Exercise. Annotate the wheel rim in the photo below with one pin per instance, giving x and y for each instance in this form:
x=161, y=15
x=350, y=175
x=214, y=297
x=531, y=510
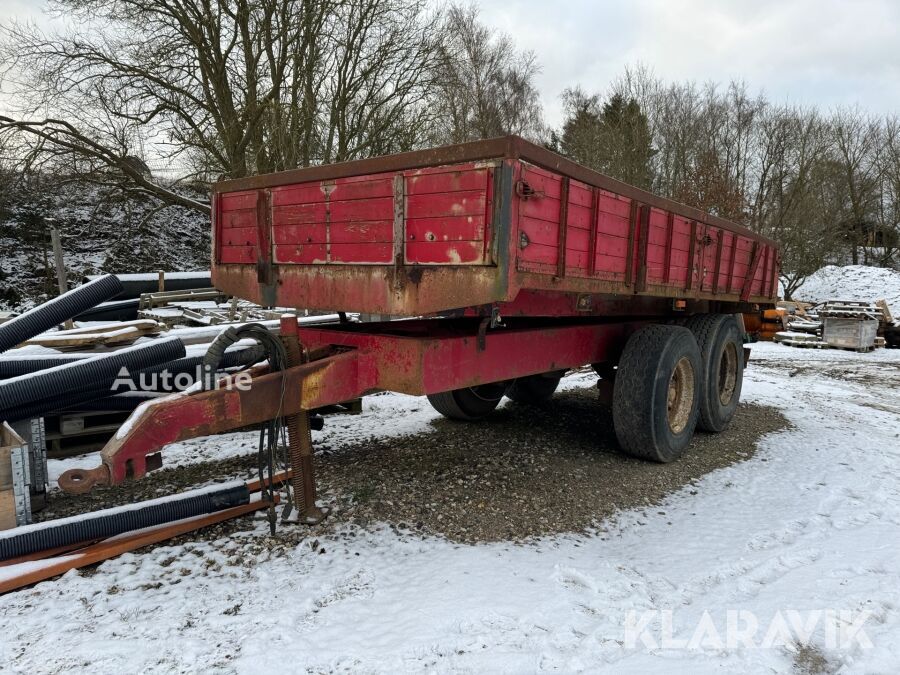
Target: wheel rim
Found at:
x=728, y=366
x=680, y=397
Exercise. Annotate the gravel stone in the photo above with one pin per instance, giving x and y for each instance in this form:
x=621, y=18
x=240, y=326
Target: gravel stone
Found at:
x=523, y=472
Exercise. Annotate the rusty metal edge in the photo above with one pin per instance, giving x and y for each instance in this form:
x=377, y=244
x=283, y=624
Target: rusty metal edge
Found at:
x=503, y=147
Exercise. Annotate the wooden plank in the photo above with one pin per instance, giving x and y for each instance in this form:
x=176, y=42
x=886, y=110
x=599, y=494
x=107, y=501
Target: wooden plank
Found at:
x=235, y=220
x=301, y=253
x=445, y=252
x=126, y=334
x=463, y=203
x=446, y=228
x=365, y=252
x=140, y=324
x=7, y=501
x=455, y=181
x=234, y=201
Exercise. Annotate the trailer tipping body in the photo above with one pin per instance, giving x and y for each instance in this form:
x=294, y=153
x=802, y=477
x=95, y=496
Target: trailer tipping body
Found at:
x=497, y=223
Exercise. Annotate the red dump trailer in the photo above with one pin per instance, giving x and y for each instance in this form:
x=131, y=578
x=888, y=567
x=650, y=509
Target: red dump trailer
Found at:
x=507, y=264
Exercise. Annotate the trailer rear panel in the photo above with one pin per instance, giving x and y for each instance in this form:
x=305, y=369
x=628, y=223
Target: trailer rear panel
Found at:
x=500, y=223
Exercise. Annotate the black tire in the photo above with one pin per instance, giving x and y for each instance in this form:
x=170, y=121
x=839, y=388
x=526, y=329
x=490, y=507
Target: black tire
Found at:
x=656, y=398
x=534, y=389
x=722, y=353
x=470, y=403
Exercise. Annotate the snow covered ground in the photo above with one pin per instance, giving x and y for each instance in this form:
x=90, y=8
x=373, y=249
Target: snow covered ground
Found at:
x=852, y=282
x=805, y=530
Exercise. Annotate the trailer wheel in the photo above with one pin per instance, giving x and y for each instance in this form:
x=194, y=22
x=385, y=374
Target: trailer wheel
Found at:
x=469, y=403
x=533, y=389
x=656, y=395
x=721, y=349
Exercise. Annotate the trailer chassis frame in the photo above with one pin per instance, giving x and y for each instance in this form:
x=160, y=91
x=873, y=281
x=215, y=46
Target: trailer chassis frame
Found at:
x=344, y=361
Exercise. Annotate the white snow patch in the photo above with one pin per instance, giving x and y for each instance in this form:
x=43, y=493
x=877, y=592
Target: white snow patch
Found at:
x=852, y=282
x=811, y=522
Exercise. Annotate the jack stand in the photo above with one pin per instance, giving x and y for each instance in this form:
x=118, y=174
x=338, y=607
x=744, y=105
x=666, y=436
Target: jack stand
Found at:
x=300, y=439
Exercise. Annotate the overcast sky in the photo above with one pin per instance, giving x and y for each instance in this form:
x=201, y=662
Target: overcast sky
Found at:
x=820, y=52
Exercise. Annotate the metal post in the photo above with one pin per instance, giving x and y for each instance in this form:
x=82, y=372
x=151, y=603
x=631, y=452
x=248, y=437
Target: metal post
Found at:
x=299, y=436
x=60, y=267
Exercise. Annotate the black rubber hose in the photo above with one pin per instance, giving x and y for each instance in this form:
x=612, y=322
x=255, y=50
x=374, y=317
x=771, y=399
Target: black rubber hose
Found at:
x=59, y=309
x=216, y=352
x=110, y=522
x=81, y=375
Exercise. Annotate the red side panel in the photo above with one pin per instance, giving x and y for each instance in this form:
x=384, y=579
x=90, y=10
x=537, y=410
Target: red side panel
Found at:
x=237, y=227
x=349, y=220
x=432, y=216
x=570, y=229
x=613, y=214
x=448, y=215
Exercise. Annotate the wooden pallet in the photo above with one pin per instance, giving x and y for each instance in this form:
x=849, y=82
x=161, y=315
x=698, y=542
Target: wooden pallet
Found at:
x=77, y=433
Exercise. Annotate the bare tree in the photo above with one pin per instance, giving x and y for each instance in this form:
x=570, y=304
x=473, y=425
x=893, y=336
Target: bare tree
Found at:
x=889, y=189
x=484, y=85
x=228, y=87
x=856, y=141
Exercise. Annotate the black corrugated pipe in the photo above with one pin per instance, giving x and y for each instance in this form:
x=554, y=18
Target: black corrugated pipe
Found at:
x=117, y=310
x=133, y=285
x=30, y=539
x=59, y=309
x=72, y=401
x=22, y=365
x=81, y=375
x=101, y=395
